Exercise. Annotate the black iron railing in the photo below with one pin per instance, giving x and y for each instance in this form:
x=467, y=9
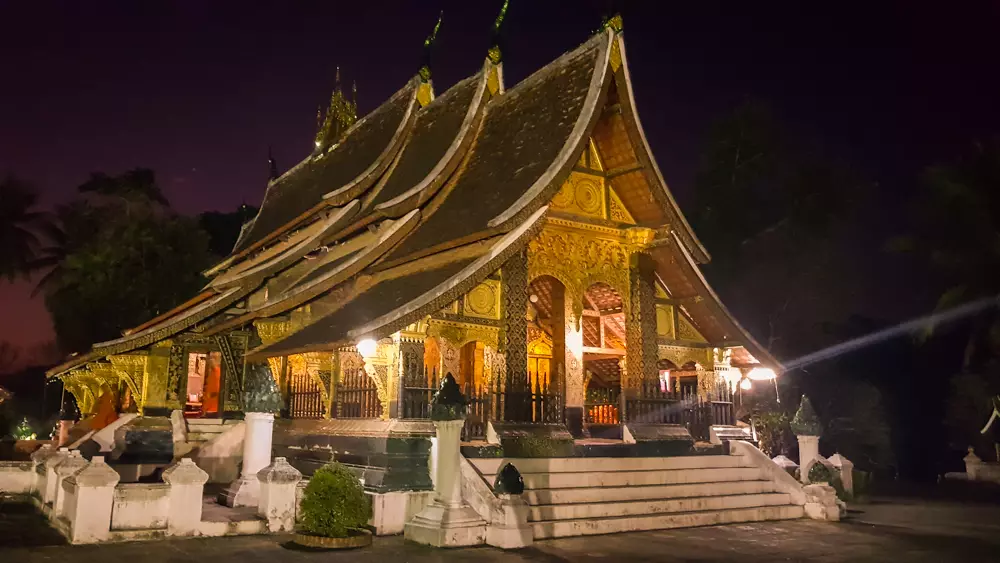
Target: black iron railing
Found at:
x=653, y=404
x=305, y=400
x=419, y=386
x=357, y=396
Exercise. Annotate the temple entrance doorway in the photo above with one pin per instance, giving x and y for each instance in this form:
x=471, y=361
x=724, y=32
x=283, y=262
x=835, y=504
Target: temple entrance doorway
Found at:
x=204, y=385
x=546, y=354
x=603, y=328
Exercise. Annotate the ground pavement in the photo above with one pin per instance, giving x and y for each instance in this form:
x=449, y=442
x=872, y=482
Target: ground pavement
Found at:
x=896, y=529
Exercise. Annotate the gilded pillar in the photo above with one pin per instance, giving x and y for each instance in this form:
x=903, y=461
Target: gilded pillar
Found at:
x=450, y=358
x=382, y=370
x=409, y=367
x=640, y=330
x=517, y=407
x=574, y=386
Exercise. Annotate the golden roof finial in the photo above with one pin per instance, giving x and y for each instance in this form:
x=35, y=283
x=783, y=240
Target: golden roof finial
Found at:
x=425, y=69
x=495, y=53
x=340, y=115
x=614, y=22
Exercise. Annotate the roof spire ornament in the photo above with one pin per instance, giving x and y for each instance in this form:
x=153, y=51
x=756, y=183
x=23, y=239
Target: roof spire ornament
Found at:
x=495, y=52
x=273, y=172
x=612, y=17
x=340, y=115
x=425, y=69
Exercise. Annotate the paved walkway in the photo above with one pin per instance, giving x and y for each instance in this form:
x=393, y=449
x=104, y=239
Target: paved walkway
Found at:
x=885, y=530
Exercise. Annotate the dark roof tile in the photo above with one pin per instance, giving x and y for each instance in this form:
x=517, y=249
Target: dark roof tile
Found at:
x=433, y=133
x=523, y=132
x=383, y=298
x=304, y=187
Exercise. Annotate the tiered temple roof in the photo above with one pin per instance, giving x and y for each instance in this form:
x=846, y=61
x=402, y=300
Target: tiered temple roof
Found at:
x=423, y=198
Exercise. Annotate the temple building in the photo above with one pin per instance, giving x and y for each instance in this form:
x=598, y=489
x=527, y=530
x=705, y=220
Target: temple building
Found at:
x=521, y=239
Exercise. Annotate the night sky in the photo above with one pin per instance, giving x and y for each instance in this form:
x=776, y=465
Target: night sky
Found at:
x=198, y=90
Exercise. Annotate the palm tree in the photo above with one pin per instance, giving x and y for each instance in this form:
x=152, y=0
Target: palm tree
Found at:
x=22, y=228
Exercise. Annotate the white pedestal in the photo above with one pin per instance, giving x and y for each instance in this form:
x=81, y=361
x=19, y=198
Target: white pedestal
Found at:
x=808, y=451
x=509, y=528
x=245, y=491
x=187, y=485
x=448, y=521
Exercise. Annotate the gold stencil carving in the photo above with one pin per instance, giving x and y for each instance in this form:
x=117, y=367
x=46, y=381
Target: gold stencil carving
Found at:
x=686, y=331
x=582, y=194
x=681, y=355
x=459, y=334
x=578, y=259
x=617, y=209
x=483, y=301
x=616, y=55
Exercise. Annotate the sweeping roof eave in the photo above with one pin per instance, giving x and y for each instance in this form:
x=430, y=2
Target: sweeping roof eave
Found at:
x=335, y=176
x=441, y=135
x=525, y=146
x=694, y=275
x=154, y=333
x=310, y=238
x=650, y=168
x=392, y=303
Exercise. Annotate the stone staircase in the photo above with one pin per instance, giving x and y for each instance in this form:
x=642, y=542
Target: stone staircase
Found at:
x=201, y=430
x=604, y=495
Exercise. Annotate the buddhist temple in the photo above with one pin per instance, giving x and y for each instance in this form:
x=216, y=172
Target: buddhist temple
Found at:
x=518, y=237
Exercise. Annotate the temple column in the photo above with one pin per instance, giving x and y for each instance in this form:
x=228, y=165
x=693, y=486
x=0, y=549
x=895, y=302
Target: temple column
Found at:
x=409, y=368
x=514, y=272
x=381, y=368
x=574, y=389
x=640, y=329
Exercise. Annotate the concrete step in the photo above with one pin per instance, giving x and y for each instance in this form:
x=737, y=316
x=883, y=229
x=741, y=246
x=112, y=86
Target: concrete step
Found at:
x=593, y=526
x=660, y=506
x=638, y=478
x=649, y=492
x=200, y=437
x=205, y=422
x=489, y=466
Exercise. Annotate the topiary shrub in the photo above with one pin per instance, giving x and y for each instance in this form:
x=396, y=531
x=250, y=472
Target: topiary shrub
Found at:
x=508, y=481
x=820, y=473
x=260, y=392
x=448, y=403
x=334, y=502
x=805, y=422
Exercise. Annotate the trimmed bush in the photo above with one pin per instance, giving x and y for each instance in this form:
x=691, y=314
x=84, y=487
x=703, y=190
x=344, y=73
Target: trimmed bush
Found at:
x=333, y=502
x=805, y=422
x=820, y=473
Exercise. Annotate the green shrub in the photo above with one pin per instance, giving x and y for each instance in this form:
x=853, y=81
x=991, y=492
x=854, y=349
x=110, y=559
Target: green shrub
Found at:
x=260, y=392
x=805, y=422
x=333, y=502
x=820, y=473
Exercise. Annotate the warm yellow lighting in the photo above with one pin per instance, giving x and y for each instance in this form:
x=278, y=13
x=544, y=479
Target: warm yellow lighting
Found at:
x=745, y=384
x=762, y=374
x=367, y=348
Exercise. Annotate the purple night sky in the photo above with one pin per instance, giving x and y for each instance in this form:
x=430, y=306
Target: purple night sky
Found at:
x=198, y=90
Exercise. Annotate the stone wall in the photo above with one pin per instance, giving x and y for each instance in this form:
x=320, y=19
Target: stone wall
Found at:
x=387, y=455
x=140, y=506
x=16, y=477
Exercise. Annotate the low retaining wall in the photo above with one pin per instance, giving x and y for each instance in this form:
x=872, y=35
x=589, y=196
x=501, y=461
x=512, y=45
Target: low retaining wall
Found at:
x=140, y=506
x=16, y=477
